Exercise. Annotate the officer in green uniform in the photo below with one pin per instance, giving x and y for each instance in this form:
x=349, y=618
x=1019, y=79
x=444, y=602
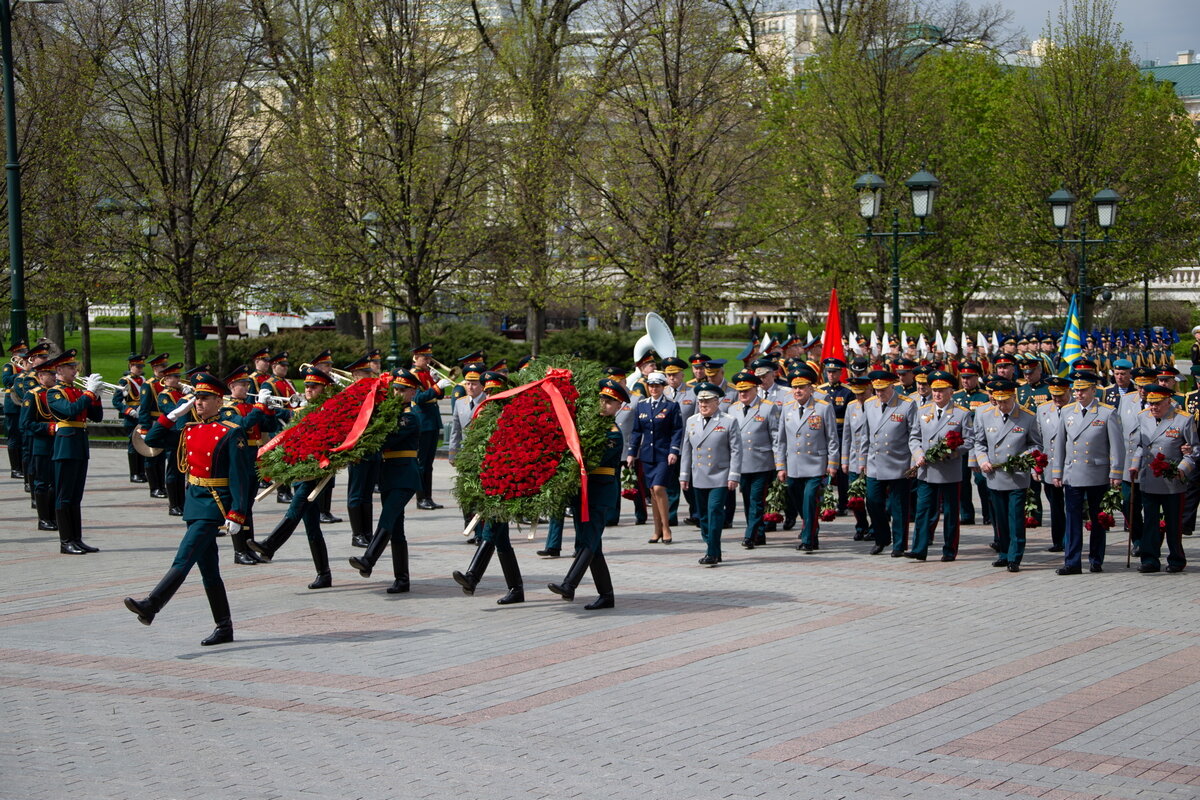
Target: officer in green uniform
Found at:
x=72, y=408
x=217, y=480
x=430, y=417
x=12, y=409
x=169, y=397
x=362, y=476
x=22, y=385
x=148, y=411
x=257, y=421
x=126, y=400
x=602, y=494
x=37, y=428
x=399, y=479
x=1035, y=390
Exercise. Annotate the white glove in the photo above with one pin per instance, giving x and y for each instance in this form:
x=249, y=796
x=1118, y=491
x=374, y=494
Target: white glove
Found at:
x=181, y=409
x=445, y=383
x=232, y=528
x=264, y=395
x=187, y=388
x=92, y=384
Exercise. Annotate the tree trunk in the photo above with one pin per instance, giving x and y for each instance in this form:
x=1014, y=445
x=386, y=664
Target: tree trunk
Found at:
x=147, y=333
x=697, y=328
x=414, y=329
x=535, y=324
x=189, y=342
x=623, y=320
x=85, y=338
x=222, y=346
x=369, y=330
x=56, y=330
x=956, y=323
x=349, y=323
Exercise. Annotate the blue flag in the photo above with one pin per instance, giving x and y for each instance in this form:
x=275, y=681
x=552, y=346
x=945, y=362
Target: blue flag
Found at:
x=1070, y=346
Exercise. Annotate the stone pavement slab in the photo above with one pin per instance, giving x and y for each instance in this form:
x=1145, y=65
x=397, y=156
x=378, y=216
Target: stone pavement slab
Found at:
x=776, y=675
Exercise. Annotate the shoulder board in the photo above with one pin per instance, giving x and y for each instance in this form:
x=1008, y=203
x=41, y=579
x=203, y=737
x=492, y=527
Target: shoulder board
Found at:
x=962, y=408
x=229, y=424
x=1104, y=405
x=819, y=402
x=791, y=402
x=766, y=402
x=927, y=405
x=907, y=398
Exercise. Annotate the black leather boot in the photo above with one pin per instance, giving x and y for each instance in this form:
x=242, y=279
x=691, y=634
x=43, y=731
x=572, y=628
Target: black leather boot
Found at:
x=327, y=516
x=77, y=529
x=137, y=471
x=175, y=498
x=45, y=509
x=158, y=597
x=241, y=552
x=218, y=601
x=603, y=582
x=399, y=567
x=360, y=525
x=320, y=557
x=66, y=537
x=283, y=494
x=479, y=563
x=156, y=477
x=512, y=578
x=366, y=562
x=566, y=589
x=267, y=548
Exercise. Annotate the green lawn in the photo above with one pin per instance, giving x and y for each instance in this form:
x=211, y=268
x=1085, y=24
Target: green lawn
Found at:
x=110, y=349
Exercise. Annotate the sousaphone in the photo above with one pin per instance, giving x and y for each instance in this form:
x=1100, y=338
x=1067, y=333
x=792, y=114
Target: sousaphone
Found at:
x=658, y=338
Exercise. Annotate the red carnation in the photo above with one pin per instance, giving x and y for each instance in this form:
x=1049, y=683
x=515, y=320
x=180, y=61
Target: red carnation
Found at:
x=772, y=517
x=1031, y=522
x=856, y=503
x=828, y=514
x=1106, y=519
x=954, y=440
x=1162, y=524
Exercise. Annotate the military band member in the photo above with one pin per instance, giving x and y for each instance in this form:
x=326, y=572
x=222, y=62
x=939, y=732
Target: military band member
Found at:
x=697, y=362
x=758, y=422
x=399, y=480
x=1162, y=429
x=1002, y=430
x=258, y=422
x=1049, y=417
x=13, y=406
x=262, y=368
x=807, y=451
x=1088, y=458
x=126, y=400
x=711, y=462
x=890, y=419
x=429, y=416
x=37, y=428
x=277, y=381
x=603, y=488
x=300, y=509
x=72, y=409
x=148, y=411
x=654, y=444
x=170, y=396
x=938, y=483
x=216, y=486
x=362, y=475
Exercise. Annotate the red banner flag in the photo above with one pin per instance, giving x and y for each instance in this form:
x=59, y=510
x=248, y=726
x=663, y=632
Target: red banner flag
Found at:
x=833, y=348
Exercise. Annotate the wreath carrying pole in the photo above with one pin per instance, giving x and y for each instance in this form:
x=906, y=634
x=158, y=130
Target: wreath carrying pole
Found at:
x=565, y=421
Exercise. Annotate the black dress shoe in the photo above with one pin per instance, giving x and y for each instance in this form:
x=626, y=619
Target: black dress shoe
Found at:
x=1069, y=571
x=897, y=554
x=1014, y=567
x=1171, y=568
x=1000, y=562
x=1148, y=568
x=175, y=511
x=16, y=474
x=158, y=493
x=70, y=549
x=1095, y=568
x=1054, y=548
x=788, y=524
x=363, y=567
x=360, y=540
x=691, y=521
x=472, y=540
x=708, y=561
x=748, y=544
x=860, y=536
x=47, y=525
x=603, y=601
x=246, y=559
x=221, y=635
x=550, y=552
x=877, y=549
x=260, y=551
x=85, y=547
x=323, y=581
x=915, y=556
x=995, y=546
x=329, y=519
x=947, y=558
x=398, y=587
x=137, y=478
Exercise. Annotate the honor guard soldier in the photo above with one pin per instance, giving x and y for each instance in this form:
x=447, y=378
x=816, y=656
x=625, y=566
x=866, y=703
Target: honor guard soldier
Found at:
x=1162, y=430
x=217, y=481
x=890, y=419
x=603, y=490
x=1049, y=417
x=938, y=483
x=1001, y=431
x=425, y=406
x=148, y=411
x=12, y=408
x=257, y=421
x=22, y=385
x=1088, y=457
x=399, y=480
x=654, y=445
x=302, y=508
x=37, y=428
x=363, y=475
x=853, y=463
x=126, y=400
x=712, y=463
x=758, y=422
x=72, y=409
x=262, y=368
x=170, y=396
x=807, y=451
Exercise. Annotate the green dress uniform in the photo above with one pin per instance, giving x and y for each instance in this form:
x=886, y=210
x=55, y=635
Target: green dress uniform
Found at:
x=37, y=426
x=429, y=415
x=72, y=410
x=126, y=401
x=12, y=421
x=217, y=475
x=966, y=511
x=168, y=400
x=148, y=412
x=256, y=422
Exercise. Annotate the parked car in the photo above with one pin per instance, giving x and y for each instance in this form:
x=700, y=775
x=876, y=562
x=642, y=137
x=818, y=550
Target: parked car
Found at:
x=255, y=322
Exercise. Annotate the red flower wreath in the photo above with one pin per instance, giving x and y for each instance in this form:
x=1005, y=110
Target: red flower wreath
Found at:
x=328, y=426
x=528, y=444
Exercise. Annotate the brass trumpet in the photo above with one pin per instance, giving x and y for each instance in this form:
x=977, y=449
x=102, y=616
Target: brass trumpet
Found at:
x=81, y=383
x=444, y=372
x=295, y=401
x=339, y=375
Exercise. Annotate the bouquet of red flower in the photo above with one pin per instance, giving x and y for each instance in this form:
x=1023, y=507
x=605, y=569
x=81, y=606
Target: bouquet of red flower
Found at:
x=943, y=449
x=1110, y=504
x=776, y=500
x=1034, y=461
x=1030, y=509
x=857, y=494
x=518, y=456
x=629, y=489
x=1163, y=468
x=828, y=503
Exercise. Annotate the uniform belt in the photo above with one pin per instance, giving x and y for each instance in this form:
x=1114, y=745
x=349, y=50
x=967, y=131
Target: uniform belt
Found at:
x=71, y=423
x=255, y=442
x=603, y=471
x=399, y=454
x=192, y=479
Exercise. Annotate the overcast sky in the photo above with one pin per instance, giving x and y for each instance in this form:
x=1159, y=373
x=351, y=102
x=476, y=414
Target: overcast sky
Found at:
x=1157, y=29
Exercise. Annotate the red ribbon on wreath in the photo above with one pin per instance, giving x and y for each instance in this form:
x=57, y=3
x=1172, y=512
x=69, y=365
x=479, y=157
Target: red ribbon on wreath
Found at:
x=356, y=430
x=565, y=421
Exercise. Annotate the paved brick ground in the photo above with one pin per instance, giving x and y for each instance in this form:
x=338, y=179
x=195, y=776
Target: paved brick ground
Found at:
x=778, y=674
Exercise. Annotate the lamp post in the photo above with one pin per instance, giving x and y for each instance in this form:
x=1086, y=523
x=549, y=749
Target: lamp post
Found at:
x=922, y=187
x=150, y=230
x=371, y=222
x=18, y=327
x=1062, y=209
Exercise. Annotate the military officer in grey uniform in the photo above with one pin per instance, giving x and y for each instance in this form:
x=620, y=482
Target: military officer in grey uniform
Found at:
x=770, y=389
x=1049, y=423
x=807, y=451
x=1088, y=457
x=712, y=463
x=758, y=419
x=938, y=483
x=1132, y=404
x=854, y=463
x=1162, y=429
x=890, y=419
x=1003, y=430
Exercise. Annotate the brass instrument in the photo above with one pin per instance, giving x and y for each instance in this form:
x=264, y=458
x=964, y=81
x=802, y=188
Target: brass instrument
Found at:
x=295, y=401
x=444, y=372
x=339, y=375
x=81, y=383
